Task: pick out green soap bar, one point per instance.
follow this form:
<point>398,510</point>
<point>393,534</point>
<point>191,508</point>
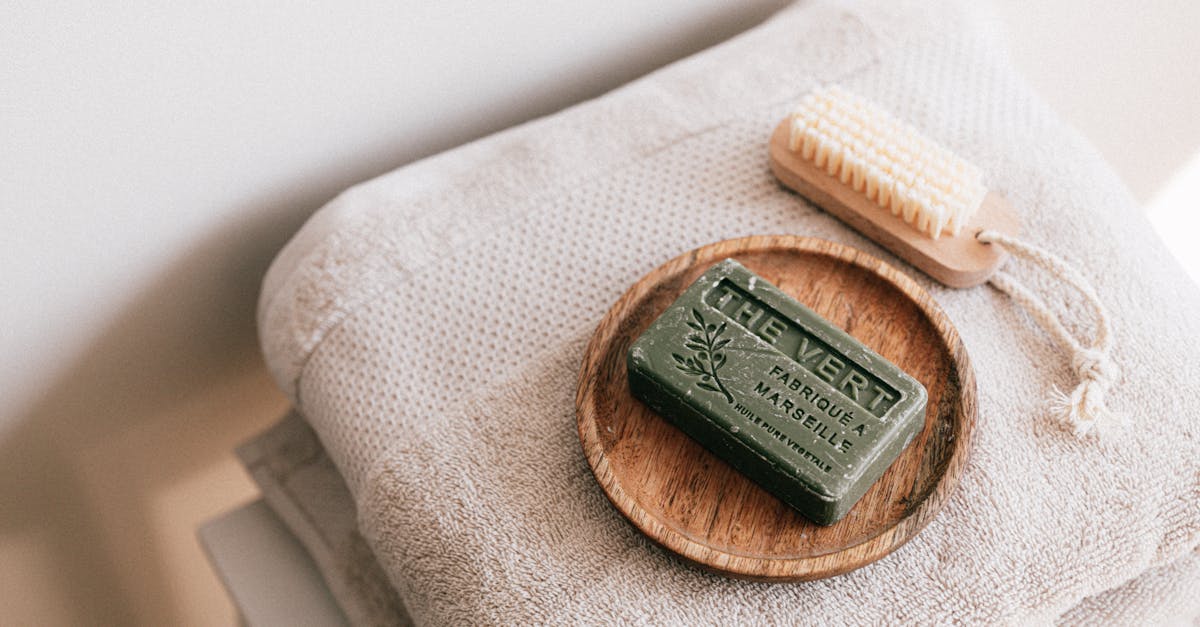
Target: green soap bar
<point>781,394</point>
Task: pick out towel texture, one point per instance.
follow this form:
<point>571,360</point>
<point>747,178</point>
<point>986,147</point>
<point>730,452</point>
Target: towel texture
<point>430,324</point>
<point>299,482</point>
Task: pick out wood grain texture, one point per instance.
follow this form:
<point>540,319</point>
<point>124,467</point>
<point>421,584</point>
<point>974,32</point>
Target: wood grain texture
<point>956,261</point>
<point>693,504</point>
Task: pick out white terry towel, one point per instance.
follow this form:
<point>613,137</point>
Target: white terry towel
<point>299,482</point>
<point>429,324</point>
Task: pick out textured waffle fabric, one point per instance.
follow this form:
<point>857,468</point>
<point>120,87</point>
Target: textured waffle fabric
<point>429,324</point>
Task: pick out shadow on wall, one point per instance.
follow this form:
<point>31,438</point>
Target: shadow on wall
<point>135,413</point>
<point>125,420</point>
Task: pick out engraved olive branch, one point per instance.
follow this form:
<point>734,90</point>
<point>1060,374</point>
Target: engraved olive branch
<point>707,359</point>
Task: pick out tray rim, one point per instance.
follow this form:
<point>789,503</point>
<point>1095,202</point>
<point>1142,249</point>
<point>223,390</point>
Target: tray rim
<point>724,560</point>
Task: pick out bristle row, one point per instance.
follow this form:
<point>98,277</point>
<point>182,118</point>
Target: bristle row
<point>886,160</point>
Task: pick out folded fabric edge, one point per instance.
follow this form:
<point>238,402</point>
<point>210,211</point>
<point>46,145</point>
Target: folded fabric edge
<point>321,515</point>
<point>1164,595</point>
<point>302,486</point>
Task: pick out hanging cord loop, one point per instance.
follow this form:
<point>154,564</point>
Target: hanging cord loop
<point>1084,407</point>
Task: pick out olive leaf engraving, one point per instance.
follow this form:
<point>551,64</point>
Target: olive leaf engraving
<point>707,358</point>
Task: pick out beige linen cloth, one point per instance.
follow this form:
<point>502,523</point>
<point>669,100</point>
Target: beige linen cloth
<point>429,326</point>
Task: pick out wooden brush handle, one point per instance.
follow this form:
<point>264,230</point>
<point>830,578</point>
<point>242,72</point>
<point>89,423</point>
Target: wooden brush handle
<point>957,261</point>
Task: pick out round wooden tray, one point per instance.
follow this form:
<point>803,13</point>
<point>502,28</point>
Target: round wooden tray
<point>687,500</point>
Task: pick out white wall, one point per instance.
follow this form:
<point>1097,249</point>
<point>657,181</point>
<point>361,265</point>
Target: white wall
<point>1127,74</point>
<point>153,158</point>
<point>148,142</point>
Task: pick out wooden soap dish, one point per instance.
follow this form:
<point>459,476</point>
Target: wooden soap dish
<point>693,504</point>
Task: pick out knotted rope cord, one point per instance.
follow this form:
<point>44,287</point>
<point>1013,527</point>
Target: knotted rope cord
<point>1084,408</point>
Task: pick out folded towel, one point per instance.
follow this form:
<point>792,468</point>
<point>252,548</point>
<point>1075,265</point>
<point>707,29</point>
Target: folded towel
<point>430,324</point>
<point>299,481</point>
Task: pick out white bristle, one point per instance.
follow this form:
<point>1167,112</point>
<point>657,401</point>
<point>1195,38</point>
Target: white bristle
<point>899,193</point>
<point>822,151</point>
<point>888,161</point>
<point>796,136</point>
<point>871,187</point>
<point>886,182</point>
<point>809,147</point>
<point>858,175</point>
<point>834,159</point>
